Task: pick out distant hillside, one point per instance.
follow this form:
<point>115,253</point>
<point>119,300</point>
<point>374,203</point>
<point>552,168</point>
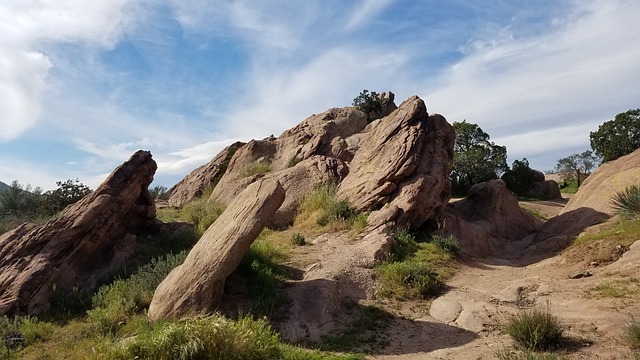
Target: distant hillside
<point>3,186</point>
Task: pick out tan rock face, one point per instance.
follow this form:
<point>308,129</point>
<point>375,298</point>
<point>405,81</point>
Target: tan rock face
<point>196,286</point>
<point>86,241</point>
<point>402,169</point>
<point>601,186</point>
<point>488,219</point>
<point>194,184</point>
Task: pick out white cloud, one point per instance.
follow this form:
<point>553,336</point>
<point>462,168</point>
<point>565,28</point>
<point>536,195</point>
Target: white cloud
<point>366,10</point>
<point>24,24</point>
<point>530,92</point>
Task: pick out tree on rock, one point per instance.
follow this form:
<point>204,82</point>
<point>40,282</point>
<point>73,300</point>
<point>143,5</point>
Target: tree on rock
<point>519,178</point>
<point>370,103</point>
<point>475,158</point>
<point>617,137</point>
<point>577,166</point>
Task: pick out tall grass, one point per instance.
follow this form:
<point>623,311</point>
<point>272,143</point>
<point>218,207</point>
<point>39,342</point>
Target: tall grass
<point>322,208</point>
<point>535,330</point>
<point>627,202</point>
<point>256,167</point>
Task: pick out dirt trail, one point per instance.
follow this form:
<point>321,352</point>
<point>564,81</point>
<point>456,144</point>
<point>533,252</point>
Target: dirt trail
<point>467,322</point>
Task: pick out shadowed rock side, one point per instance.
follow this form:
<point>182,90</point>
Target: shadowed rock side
<point>488,220</point>
<point>195,184</point>
<point>601,186</point>
<point>196,286</point>
<point>402,168</point>
<point>86,241</point>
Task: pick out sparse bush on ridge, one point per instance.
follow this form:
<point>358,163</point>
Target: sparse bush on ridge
<point>535,329</point>
<point>627,202</point>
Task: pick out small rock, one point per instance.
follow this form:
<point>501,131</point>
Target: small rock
<point>594,264</point>
<point>581,274</point>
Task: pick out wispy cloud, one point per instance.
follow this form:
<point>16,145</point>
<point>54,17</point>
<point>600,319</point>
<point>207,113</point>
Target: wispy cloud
<point>366,10</point>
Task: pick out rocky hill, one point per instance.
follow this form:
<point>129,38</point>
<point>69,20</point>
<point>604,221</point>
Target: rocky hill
<point>385,209</point>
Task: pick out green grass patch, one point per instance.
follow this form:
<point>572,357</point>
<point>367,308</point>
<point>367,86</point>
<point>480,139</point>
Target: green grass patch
<point>263,269</point>
<point>535,330</point>
<point>293,161</point>
<point>321,208</point>
<point>536,214</point>
<point>200,212</point>
<point>569,186</point>
<point>415,270</point>
<point>622,288</point>
<point>256,167</point>
<point>601,246</point>
<point>367,333</point>
<point>627,202</point>
<point>528,355</point>
<point>298,239</point>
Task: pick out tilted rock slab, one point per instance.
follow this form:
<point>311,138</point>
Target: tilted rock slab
<point>196,286</point>
<point>402,169</point>
<point>85,242</point>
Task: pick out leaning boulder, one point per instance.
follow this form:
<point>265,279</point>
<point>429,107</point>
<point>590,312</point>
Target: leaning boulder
<point>600,187</point>
<point>85,242</point>
<point>196,286</point>
<point>403,168</point>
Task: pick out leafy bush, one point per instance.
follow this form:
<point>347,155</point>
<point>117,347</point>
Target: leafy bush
<point>632,334</point>
<point>370,103</point>
<point>123,298</point>
<point>627,202</point>
<point>535,330</point>
<point>298,239</point>
<point>449,244</point>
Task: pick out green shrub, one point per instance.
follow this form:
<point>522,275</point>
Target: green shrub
<point>627,202</point>
<point>407,280</point>
<point>23,331</point>
<point>449,243</point>
<point>257,167</point>
<point>632,334</point>
<point>323,205</point>
<point>294,161</point>
<point>298,239</point>
<point>123,298</point>
<point>535,330</point>
<point>370,103</point>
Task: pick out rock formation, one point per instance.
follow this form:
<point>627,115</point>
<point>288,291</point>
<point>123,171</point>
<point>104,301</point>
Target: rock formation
<point>488,220</point>
<point>196,286</point>
<point>207,175</point>
<point>86,241</point>
<point>601,186</point>
<point>402,169</point>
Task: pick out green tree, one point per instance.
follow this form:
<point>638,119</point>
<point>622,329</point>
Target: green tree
<point>617,137</point>
<point>67,193</point>
<point>475,158</point>
<point>370,103</point>
<point>159,192</point>
<point>577,166</point>
<point>519,178</point>
<point>20,200</point>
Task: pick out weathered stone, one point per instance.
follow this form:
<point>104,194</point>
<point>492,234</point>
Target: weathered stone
<point>405,165</point>
<point>488,219</point>
<point>85,242</point>
<point>195,184</point>
<point>196,286</point>
<point>601,186</point>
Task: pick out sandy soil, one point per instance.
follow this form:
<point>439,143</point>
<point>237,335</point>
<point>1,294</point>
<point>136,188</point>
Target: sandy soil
<point>468,321</point>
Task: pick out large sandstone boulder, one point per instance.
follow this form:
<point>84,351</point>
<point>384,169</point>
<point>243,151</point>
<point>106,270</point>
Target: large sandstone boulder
<point>196,286</point>
<point>601,186</point>
<point>402,169</point>
<point>195,184</point>
<point>488,220</point>
<point>85,242</point>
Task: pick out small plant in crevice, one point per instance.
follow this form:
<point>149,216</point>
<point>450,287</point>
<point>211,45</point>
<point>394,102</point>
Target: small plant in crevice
<point>298,239</point>
<point>256,167</point>
<point>627,202</point>
<point>293,161</point>
<point>322,208</point>
<point>535,330</point>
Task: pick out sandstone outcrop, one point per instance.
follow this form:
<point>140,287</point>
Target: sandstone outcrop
<point>488,220</point>
<point>196,286</point>
<point>402,169</point>
<point>601,186</point>
<point>86,241</point>
<point>195,184</point>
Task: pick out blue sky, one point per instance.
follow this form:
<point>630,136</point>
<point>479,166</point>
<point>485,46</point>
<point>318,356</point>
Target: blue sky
<point>82,86</point>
